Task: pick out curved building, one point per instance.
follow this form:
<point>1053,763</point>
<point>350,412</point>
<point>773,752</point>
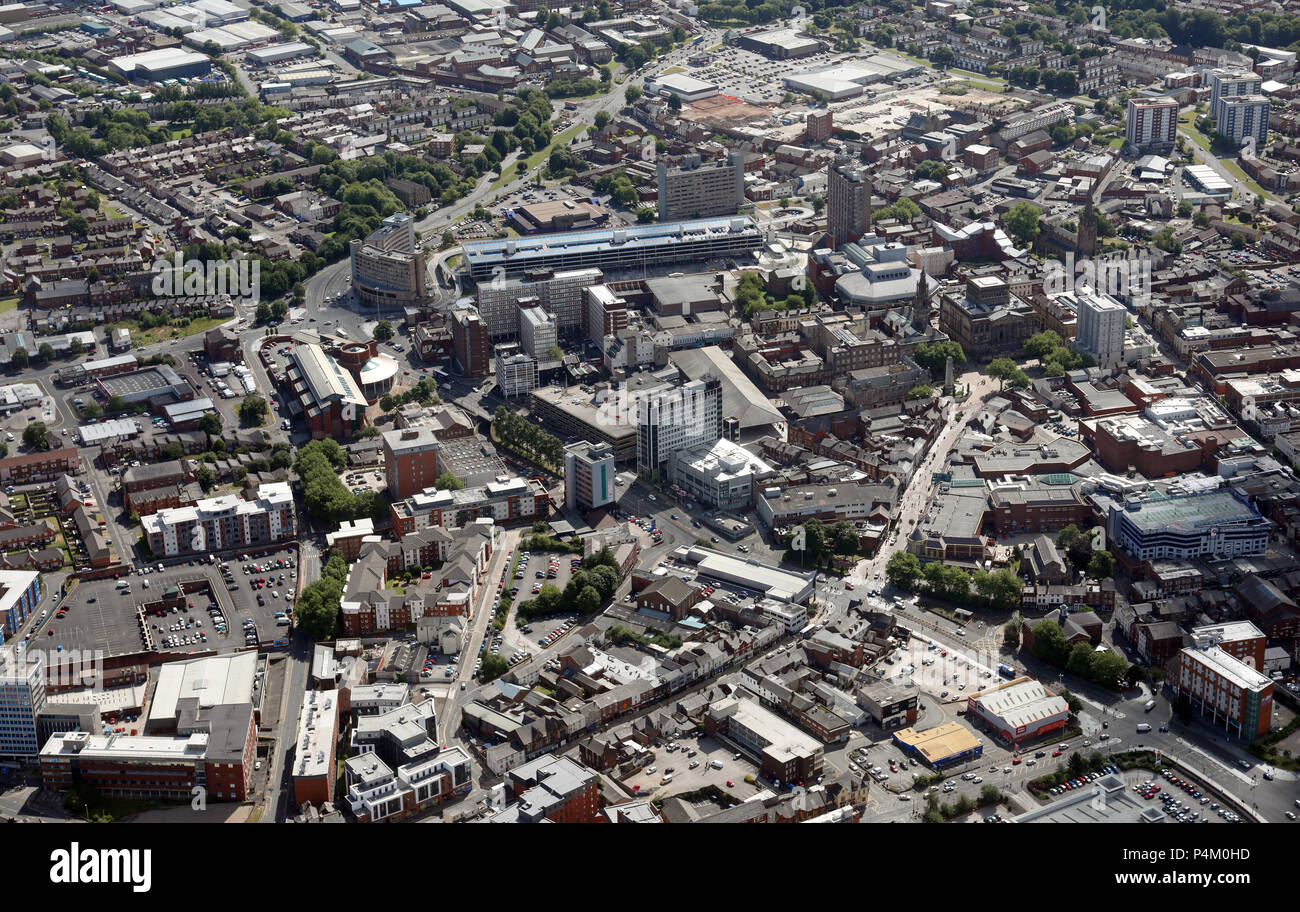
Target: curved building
<point>374,372</point>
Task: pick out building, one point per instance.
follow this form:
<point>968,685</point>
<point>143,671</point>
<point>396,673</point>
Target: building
<point>20,592</point>
<point>819,126</point>
<point>577,414</point>
<point>1216,524</point>
<point>324,394</point>
<point>1224,690</point>
<point>469,342</point>
<point>160,382</point>
<point>889,705</point>
<point>674,419</point>
<point>537,332</point>
<point>223,523</point>
<point>1107,800</point>
<point>411,460</point>
<point>779,44</point>
<point>721,474</point>
<point>1100,327</point>
<point>606,313</point>
<point>1240,639</point>
<point>389,267</point>
<point>379,792</point>
<point>695,189</point>
<point>1232,84</point>
<point>987,320</point>
<point>516,370</point>
<point>22,696</point>
<point>504,500</point>
<point>588,475</point>
<point>1020,710</point>
<point>784,752</point>
<point>550,789</point>
<point>941,747</point>
<point>314,766</point>
<point>214,748</point>
<point>633,247</point>
<point>781,505</point>
<point>848,202</point>
<point>1244,117</point>
<point>560,293</point>
<point>1152,123</point>
<point>28,467</point>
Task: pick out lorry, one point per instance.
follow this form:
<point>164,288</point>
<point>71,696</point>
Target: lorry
<point>1006,671</point>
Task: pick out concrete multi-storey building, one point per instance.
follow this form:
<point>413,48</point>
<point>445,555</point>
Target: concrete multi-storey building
<point>550,788</point>
<point>1242,118</point>
<point>22,699</point>
<point>606,313</point>
<point>223,523</point>
<point>696,189</point>
<point>314,765</point>
<point>516,370</point>
<point>1152,123</point>
<point>848,202</point>
<point>674,419</point>
<point>1232,84</point>
<point>411,460</point>
<point>1224,690</point>
<point>1100,327</point>
<point>389,267</point>
<point>588,475</point>
<point>784,752</point>
<point>559,292</point>
<point>537,332</point>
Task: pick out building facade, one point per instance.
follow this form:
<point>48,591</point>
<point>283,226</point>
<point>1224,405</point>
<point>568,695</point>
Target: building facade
<point>696,189</point>
<point>589,474</point>
<point>223,523</point>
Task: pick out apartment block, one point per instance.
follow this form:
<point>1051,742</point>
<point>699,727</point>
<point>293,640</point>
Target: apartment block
<point>1152,123</point>
<point>848,202</point>
<point>411,460</point>
<point>537,332</point>
<point>701,190</point>
<point>674,419</point>
<point>1224,690</point>
<point>504,500</point>
<point>22,698</point>
<point>469,342</point>
<point>588,475</point>
<point>223,523</point>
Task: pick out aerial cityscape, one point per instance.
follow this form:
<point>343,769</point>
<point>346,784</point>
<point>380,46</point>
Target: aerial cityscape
<point>485,411</point>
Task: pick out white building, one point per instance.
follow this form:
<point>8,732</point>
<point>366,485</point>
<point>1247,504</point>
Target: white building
<point>720,474</point>
<point>588,475</point>
<point>516,371</point>
<point>1100,327</point>
<point>22,697</point>
<point>537,332</point>
<point>1244,117</point>
<point>220,523</point>
<point>674,419</point>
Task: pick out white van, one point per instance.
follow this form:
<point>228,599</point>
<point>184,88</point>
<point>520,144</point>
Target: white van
<point>716,764</point>
<point>1151,704</point>
<point>1143,727</point>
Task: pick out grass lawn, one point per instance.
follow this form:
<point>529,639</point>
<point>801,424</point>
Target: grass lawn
<point>1115,143</point>
<point>1241,175</point>
<point>674,69</point>
<point>161,333</point>
<point>8,304</point>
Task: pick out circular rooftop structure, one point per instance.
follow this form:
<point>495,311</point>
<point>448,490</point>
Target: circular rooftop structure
<point>376,376</point>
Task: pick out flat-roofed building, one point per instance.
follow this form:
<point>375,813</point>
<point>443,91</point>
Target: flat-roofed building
<point>696,189</point>
<point>941,747</point>
<point>223,523</point>
<point>749,573</point>
<point>721,474</point>
<point>516,370</point>
<point>389,267</point>
<point>1214,524</point>
<point>573,412</point>
<point>314,765</point>
<point>783,751</point>
<point>1224,690</point>
<point>504,500</point>
<point>411,460</point>
<point>588,475</point>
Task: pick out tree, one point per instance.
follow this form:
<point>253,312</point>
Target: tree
<point>1002,370</point>
<point>206,478</point>
<point>1049,642</point>
<point>1002,587</point>
<point>934,358</point>
<point>46,351</point>
<point>1102,565</point>
<point>210,424</point>
<point>35,434</point>
<point>253,411</point>
<point>632,93</point>
<point>387,403</point>
<point>1109,670</point>
<point>674,104</point>
<point>943,57</point>
<point>588,600</point>
<point>1076,765</point>
<point>76,347</point>
<point>920,392</point>
<point>1022,221</point>
<point>171,451</point>
<point>602,120</point>
<point>19,358</point>
<point>383,331</point>
<point>1011,634</point>
<point>1066,536</point>
<point>448,482</point>
<point>1080,661</point>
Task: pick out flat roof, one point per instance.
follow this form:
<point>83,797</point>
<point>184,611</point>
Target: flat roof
<point>1190,512</point>
<point>1020,703</point>
<point>782,585</point>
<point>317,729</point>
<point>629,238</point>
<point>214,680</point>
<point>940,743</point>
<point>1228,667</point>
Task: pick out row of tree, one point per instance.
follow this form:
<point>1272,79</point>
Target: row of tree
<point>999,589</point>
<point>1105,668</point>
<point>516,433</point>
<point>324,495</point>
<point>317,611</point>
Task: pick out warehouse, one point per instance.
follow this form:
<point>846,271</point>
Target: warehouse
<point>781,585</point>
<point>233,37</point>
<point>942,747</point>
<point>277,53</point>
<point>168,63</point>
<point>1020,710</point>
<point>687,88</point>
<point>143,385</point>
<point>780,44</point>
